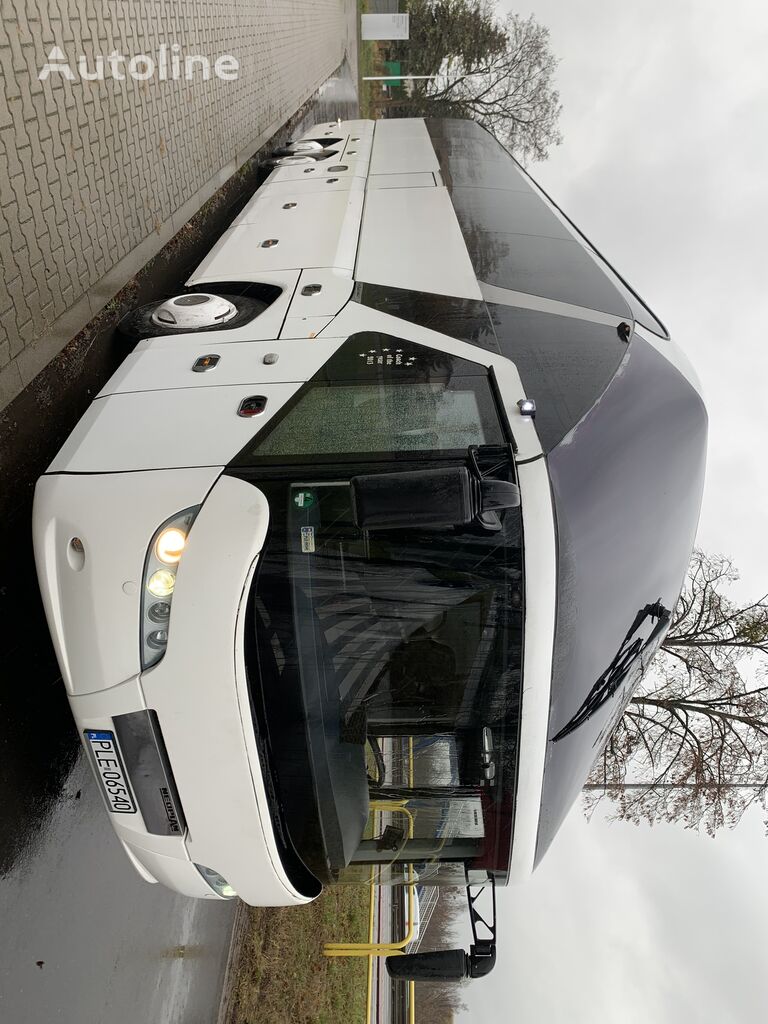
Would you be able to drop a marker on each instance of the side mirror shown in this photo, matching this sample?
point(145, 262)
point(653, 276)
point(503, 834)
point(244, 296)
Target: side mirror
point(427, 498)
point(455, 964)
point(442, 965)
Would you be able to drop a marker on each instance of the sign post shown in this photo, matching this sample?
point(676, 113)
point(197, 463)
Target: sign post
point(385, 26)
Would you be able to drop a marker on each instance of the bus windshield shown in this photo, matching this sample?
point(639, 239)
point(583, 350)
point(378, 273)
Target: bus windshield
point(384, 661)
point(406, 646)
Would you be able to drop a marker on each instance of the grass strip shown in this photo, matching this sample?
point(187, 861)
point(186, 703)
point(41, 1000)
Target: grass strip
point(281, 975)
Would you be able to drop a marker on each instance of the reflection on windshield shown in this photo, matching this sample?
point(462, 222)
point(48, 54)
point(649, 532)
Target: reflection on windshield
point(418, 636)
point(414, 416)
point(425, 824)
point(412, 626)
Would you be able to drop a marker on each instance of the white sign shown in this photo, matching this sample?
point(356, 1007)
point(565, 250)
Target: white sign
point(385, 26)
point(465, 818)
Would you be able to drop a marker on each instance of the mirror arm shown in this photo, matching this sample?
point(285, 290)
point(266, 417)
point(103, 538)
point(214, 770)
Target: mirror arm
point(493, 495)
point(482, 952)
point(454, 964)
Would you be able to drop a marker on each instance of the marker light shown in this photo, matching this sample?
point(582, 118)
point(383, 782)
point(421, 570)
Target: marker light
point(527, 407)
point(169, 546)
point(161, 583)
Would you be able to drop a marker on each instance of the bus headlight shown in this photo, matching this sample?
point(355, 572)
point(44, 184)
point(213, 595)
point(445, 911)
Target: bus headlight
point(163, 557)
point(170, 545)
point(161, 583)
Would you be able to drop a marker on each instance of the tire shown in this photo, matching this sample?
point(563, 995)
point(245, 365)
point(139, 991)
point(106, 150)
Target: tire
point(282, 159)
point(137, 325)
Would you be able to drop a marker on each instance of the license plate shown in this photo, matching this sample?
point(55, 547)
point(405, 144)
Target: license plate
point(109, 768)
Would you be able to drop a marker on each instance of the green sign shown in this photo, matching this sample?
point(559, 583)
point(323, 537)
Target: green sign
point(304, 499)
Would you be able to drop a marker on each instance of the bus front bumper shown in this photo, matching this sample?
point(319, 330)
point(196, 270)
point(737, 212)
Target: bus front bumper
point(213, 809)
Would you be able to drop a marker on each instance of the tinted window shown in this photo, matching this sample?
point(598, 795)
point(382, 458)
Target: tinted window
point(410, 416)
point(381, 395)
point(508, 212)
point(627, 490)
point(640, 311)
point(514, 238)
point(564, 364)
point(550, 267)
point(469, 155)
point(463, 319)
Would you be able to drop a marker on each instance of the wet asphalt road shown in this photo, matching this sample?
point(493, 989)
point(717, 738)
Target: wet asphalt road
point(82, 939)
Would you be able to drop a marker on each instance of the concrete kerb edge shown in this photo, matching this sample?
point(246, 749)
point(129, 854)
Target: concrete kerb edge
point(11, 383)
point(239, 933)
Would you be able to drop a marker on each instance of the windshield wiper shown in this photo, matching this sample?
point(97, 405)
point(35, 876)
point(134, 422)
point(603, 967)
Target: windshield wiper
point(613, 677)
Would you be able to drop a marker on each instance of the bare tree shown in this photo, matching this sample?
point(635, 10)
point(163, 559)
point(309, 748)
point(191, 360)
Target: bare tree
point(499, 73)
point(692, 745)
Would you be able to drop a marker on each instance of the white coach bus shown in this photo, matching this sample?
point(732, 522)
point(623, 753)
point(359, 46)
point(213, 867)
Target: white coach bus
point(354, 563)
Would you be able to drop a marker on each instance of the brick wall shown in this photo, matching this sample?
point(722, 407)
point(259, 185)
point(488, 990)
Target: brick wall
point(96, 176)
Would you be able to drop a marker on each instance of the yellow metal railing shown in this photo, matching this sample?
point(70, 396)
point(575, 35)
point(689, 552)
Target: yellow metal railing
point(373, 949)
point(383, 948)
point(369, 992)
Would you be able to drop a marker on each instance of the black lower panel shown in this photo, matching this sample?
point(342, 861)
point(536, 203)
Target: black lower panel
point(146, 763)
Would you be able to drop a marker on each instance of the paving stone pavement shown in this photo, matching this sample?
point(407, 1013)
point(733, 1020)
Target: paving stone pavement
point(96, 176)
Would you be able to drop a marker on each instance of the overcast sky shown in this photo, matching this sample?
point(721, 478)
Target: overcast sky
point(664, 166)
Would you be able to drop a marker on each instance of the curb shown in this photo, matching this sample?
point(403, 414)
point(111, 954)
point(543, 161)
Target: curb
point(239, 931)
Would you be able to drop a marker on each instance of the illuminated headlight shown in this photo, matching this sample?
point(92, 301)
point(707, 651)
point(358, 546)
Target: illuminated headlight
point(219, 885)
point(169, 546)
point(161, 583)
point(163, 559)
